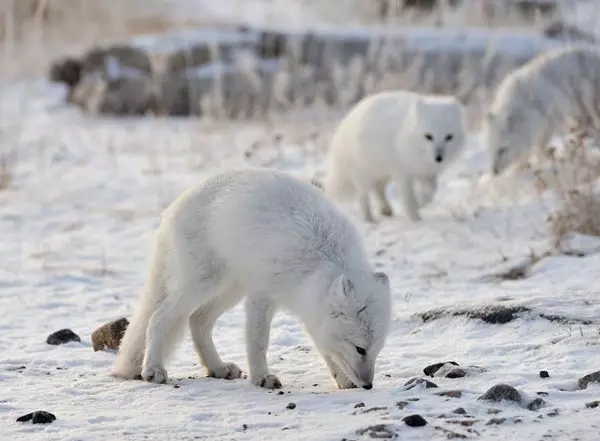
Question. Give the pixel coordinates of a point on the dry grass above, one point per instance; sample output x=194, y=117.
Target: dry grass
x=573, y=181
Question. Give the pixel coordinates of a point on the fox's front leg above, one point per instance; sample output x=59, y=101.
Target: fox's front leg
x=259, y=315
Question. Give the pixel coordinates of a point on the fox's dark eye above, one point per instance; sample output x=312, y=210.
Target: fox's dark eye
x=428, y=136
x=361, y=351
x=449, y=137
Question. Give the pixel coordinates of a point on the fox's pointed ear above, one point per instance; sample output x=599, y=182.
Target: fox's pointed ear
x=382, y=278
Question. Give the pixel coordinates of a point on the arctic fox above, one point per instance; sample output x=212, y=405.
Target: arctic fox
x=538, y=98
x=397, y=136
x=278, y=242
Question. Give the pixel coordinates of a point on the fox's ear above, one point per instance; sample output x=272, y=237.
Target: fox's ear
x=382, y=278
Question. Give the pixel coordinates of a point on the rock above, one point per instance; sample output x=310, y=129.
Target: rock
x=501, y=392
x=459, y=411
x=109, y=335
x=66, y=70
x=37, y=417
x=120, y=97
x=433, y=368
x=291, y=406
x=456, y=373
x=592, y=404
x=553, y=413
x=492, y=421
x=401, y=404
x=544, y=374
x=450, y=394
x=583, y=382
x=416, y=381
x=493, y=411
x=414, y=420
x=536, y=404
x=358, y=405
x=61, y=337
x=378, y=431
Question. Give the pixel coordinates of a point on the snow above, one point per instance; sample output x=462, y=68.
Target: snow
x=76, y=226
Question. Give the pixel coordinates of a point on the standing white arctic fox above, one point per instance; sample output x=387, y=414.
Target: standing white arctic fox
x=280, y=243
x=538, y=98
x=397, y=136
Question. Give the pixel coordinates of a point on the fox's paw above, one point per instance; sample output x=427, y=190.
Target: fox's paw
x=155, y=374
x=228, y=371
x=268, y=381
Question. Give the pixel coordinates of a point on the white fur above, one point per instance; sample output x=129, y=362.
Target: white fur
x=277, y=241
x=383, y=139
x=538, y=98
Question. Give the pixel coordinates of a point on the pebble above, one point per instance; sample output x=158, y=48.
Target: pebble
x=37, y=417
x=414, y=420
x=61, y=337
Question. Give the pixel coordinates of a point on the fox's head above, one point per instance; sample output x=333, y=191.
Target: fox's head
x=437, y=127
x=357, y=324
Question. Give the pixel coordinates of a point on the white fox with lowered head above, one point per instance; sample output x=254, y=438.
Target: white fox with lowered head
x=399, y=136
x=278, y=242
x=538, y=98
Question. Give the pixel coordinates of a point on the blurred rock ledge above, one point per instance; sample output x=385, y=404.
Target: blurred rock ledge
x=244, y=71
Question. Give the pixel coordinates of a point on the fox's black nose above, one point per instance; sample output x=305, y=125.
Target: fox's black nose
x=439, y=158
x=368, y=386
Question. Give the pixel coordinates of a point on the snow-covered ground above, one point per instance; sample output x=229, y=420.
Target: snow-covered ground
x=75, y=231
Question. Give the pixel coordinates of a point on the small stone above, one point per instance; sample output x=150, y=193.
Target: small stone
x=433, y=368
x=357, y=405
x=291, y=406
x=413, y=399
x=414, y=420
x=592, y=404
x=61, y=337
x=37, y=417
x=378, y=431
x=109, y=335
x=583, y=382
x=553, y=413
x=536, y=404
x=456, y=373
x=450, y=394
x=543, y=394
x=401, y=404
x=460, y=411
x=544, y=374
x=175, y=386
x=501, y=392
x=493, y=411
x=281, y=392
x=495, y=421
x=415, y=381
x=244, y=426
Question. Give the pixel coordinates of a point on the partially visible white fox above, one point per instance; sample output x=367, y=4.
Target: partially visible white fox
x=539, y=98
x=279, y=242
x=398, y=136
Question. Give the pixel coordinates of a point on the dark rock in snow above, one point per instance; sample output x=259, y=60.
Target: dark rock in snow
x=358, y=405
x=433, y=368
x=109, y=335
x=291, y=406
x=502, y=392
x=460, y=411
x=378, y=431
x=456, y=373
x=414, y=420
x=61, y=337
x=416, y=381
x=592, y=404
x=37, y=417
x=583, y=382
x=544, y=374
x=450, y=394
x=536, y=404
